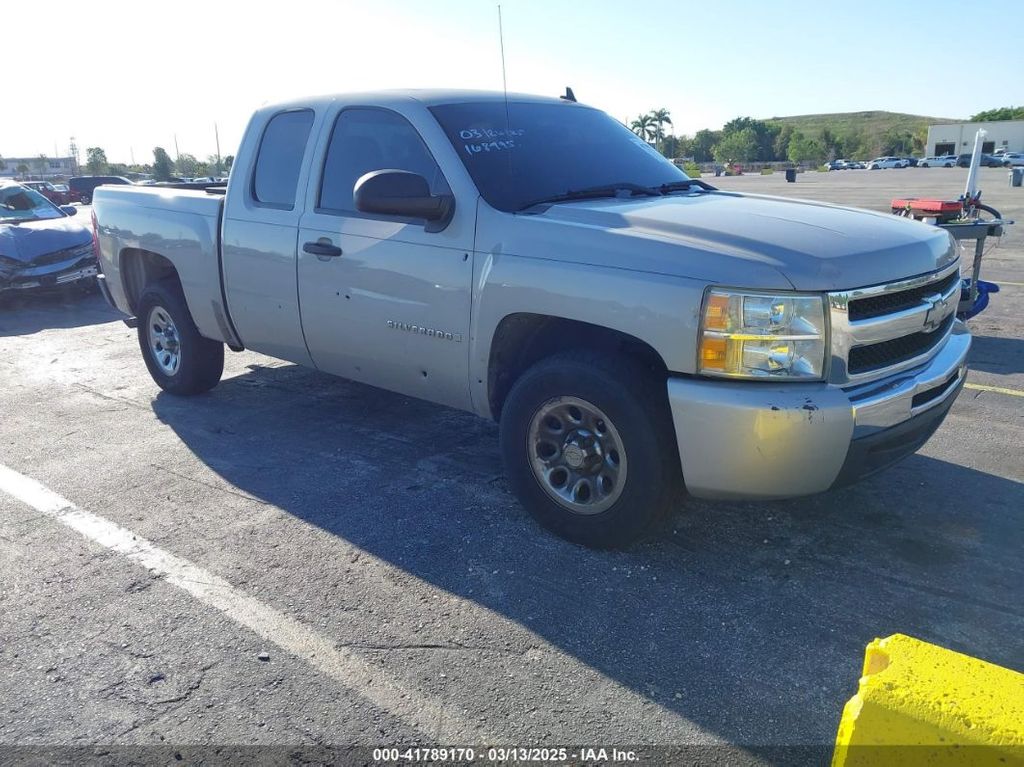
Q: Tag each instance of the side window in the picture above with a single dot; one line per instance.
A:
(279, 159)
(366, 139)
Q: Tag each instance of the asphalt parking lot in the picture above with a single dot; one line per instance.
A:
(361, 574)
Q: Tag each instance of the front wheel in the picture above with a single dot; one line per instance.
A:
(180, 360)
(589, 448)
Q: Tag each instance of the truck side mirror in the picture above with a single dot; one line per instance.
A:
(401, 193)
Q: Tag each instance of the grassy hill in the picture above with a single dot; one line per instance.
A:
(872, 126)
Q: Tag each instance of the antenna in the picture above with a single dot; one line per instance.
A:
(501, 41)
(504, 87)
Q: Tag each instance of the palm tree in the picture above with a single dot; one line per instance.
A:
(660, 117)
(644, 127)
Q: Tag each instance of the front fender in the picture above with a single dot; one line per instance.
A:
(660, 310)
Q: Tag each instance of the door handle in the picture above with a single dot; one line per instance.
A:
(322, 247)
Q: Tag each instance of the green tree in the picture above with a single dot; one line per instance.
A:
(764, 135)
(643, 126)
(228, 162)
(3, 165)
(661, 118)
(96, 161)
(737, 146)
(702, 145)
(805, 149)
(22, 169)
(213, 164)
(897, 142)
(830, 143)
(852, 144)
(1002, 113)
(780, 146)
(186, 165)
(162, 165)
(920, 140)
(42, 164)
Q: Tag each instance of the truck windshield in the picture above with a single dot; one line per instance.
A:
(535, 151)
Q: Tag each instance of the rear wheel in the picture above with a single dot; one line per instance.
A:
(589, 448)
(180, 360)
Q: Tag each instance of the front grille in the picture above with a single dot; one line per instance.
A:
(890, 303)
(864, 359)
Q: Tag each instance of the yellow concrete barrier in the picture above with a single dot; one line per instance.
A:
(919, 704)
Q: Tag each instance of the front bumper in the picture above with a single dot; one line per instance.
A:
(763, 440)
(27, 281)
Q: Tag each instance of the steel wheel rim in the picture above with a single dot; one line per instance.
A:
(576, 455)
(164, 343)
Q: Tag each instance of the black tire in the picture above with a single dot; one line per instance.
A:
(635, 402)
(200, 361)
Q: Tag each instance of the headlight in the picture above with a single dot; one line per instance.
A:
(762, 335)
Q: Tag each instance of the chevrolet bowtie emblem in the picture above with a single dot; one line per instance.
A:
(937, 306)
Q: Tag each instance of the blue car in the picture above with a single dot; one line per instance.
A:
(41, 245)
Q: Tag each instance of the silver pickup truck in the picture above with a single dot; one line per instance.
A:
(532, 261)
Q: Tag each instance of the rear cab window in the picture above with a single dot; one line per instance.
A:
(279, 158)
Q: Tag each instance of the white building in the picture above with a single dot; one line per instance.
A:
(958, 138)
(54, 166)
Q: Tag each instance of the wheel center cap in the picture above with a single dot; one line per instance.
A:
(574, 455)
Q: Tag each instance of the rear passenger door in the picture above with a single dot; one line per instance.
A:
(392, 309)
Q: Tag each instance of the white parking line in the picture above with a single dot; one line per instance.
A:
(425, 713)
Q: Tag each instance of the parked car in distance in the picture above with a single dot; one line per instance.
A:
(845, 165)
(911, 162)
(887, 162)
(1012, 159)
(601, 312)
(938, 161)
(49, 191)
(82, 186)
(41, 245)
(987, 161)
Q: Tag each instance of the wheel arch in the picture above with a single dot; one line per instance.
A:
(139, 268)
(522, 339)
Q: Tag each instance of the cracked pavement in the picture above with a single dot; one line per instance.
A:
(384, 525)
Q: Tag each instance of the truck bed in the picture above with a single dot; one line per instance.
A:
(180, 225)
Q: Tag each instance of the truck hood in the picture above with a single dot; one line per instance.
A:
(751, 240)
(27, 241)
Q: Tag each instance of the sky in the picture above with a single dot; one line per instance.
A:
(129, 76)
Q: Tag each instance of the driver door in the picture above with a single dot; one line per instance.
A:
(382, 300)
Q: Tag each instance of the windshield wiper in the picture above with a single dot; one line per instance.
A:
(682, 186)
(594, 193)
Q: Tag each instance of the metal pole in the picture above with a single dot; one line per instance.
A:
(216, 137)
(972, 174)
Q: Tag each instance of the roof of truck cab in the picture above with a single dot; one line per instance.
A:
(427, 97)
